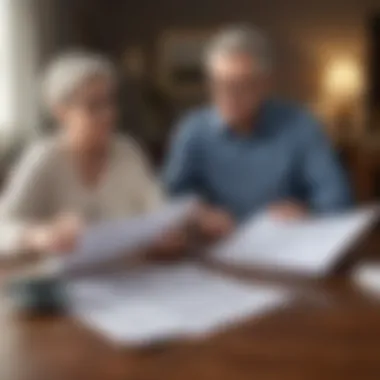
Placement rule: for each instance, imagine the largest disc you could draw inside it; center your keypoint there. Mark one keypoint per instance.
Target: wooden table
(332, 332)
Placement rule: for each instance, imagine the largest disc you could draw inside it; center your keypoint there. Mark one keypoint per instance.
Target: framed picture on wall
(179, 56)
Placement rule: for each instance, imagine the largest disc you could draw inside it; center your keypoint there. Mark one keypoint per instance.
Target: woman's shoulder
(41, 152)
(37, 160)
(127, 146)
(130, 154)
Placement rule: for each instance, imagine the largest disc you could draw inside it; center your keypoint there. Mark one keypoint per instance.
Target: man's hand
(206, 224)
(214, 223)
(173, 241)
(288, 210)
(170, 246)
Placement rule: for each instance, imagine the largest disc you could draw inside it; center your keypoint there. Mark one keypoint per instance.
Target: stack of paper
(312, 246)
(155, 303)
(159, 302)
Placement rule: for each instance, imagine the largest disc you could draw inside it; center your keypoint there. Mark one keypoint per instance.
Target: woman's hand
(59, 236)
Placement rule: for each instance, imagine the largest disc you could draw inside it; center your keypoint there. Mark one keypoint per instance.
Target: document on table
(110, 240)
(367, 277)
(308, 247)
(155, 303)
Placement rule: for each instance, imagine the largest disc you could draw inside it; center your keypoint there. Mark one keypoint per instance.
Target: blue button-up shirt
(285, 157)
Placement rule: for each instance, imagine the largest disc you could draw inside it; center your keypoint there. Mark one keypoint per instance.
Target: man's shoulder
(295, 117)
(198, 117)
(289, 109)
(195, 123)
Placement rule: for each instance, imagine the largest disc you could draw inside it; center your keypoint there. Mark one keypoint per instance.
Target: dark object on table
(37, 295)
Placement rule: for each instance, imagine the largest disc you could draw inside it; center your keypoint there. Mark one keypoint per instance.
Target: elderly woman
(83, 173)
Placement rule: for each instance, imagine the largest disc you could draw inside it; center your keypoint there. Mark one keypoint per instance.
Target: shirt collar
(259, 125)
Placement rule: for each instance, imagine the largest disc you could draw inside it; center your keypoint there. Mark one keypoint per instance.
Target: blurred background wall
(306, 34)
(310, 37)
(324, 56)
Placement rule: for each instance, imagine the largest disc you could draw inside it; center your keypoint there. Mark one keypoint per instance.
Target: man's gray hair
(71, 70)
(241, 39)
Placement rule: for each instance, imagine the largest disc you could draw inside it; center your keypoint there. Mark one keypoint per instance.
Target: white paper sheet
(110, 240)
(162, 302)
(309, 247)
(367, 277)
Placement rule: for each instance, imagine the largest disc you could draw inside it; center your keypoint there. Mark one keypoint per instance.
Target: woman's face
(91, 114)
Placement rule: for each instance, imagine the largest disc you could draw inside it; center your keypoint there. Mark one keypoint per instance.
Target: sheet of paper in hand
(307, 247)
(110, 240)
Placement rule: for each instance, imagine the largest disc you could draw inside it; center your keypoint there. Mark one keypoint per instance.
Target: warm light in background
(343, 79)
(341, 102)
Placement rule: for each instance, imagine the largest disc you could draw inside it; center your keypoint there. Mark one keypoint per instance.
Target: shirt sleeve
(23, 199)
(181, 169)
(323, 177)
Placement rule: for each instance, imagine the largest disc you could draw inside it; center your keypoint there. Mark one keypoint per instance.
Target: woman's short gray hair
(241, 39)
(71, 70)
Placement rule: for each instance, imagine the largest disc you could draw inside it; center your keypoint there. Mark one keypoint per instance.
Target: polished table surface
(332, 331)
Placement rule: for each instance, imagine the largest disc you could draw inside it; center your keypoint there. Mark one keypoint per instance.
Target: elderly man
(248, 152)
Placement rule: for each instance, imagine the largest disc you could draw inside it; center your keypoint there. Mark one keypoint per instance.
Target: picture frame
(180, 60)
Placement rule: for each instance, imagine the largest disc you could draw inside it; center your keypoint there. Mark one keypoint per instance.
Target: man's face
(238, 86)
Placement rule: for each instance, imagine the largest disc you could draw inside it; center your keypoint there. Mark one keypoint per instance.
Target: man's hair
(241, 39)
